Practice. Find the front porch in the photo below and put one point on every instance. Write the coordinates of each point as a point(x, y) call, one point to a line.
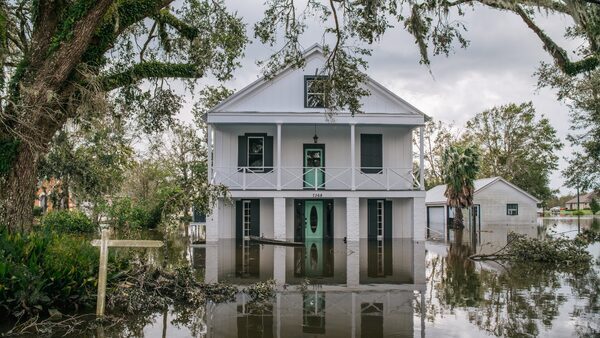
point(336, 217)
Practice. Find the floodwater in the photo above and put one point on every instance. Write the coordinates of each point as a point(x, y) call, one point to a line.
point(394, 288)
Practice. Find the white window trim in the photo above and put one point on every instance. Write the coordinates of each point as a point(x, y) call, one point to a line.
point(380, 212)
point(309, 93)
point(516, 210)
point(246, 218)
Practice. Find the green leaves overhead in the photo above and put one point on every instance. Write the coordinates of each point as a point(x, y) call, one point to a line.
point(517, 145)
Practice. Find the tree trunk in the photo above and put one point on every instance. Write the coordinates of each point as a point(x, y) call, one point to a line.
point(458, 218)
point(19, 191)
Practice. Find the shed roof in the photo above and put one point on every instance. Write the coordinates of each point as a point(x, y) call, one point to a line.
point(435, 195)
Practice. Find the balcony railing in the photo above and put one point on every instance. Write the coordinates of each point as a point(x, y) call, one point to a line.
point(311, 178)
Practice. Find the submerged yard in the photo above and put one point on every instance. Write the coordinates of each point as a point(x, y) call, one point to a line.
point(338, 289)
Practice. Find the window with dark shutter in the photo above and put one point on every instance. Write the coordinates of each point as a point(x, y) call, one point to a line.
point(371, 153)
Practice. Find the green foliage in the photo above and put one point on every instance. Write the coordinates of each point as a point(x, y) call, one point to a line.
point(437, 137)
point(580, 93)
point(460, 168)
point(37, 211)
point(44, 270)
point(125, 214)
point(594, 206)
point(261, 291)
point(8, 153)
point(68, 221)
point(71, 16)
point(517, 145)
point(561, 252)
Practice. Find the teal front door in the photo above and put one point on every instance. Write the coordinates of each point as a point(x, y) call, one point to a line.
point(313, 220)
point(314, 163)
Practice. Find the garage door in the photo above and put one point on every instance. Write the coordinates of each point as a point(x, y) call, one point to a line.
point(435, 222)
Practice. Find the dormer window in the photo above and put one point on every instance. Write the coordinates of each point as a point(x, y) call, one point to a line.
point(314, 91)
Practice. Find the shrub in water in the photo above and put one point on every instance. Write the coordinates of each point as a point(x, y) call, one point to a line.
point(68, 221)
point(44, 270)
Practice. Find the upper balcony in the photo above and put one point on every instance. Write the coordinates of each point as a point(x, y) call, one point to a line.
point(334, 157)
point(316, 178)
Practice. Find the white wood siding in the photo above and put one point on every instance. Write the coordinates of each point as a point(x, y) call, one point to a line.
point(285, 93)
point(493, 200)
point(397, 156)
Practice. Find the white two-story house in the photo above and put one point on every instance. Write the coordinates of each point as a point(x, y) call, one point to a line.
point(294, 173)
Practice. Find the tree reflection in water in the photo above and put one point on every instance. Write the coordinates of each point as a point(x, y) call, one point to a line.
point(511, 300)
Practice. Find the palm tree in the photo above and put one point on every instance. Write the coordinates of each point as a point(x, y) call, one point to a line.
point(460, 165)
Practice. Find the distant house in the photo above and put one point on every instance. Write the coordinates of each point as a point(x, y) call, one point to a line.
point(584, 201)
point(496, 200)
point(48, 196)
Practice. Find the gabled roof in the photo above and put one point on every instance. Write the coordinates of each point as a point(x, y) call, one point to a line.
point(586, 198)
point(435, 195)
point(394, 105)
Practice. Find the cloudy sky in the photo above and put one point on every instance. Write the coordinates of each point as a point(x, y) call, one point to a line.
point(497, 68)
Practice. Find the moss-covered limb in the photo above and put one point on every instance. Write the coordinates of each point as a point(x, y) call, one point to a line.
point(148, 70)
point(559, 55)
point(73, 14)
point(166, 17)
point(120, 16)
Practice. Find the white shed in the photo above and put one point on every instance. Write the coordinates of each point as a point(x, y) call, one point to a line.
point(496, 200)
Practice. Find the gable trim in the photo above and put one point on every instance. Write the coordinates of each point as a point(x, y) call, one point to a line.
point(370, 83)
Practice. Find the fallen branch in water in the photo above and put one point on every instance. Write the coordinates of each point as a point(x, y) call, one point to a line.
point(148, 288)
point(562, 252)
point(63, 325)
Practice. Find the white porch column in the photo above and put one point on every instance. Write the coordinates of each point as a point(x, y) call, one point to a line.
point(419, 219)
point(421, 159)
point(353, 263)
point(209, 150)
point(353, 155)
point(352, 219)
point(212, 223)
point(278, 156)
point(211, 270)
point(279, 218)
point(279, 264)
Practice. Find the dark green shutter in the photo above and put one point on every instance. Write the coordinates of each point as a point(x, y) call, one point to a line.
point(238, 219)
point(387, 220)
point(371, 258)
point(371, 153)
point(242, 152)
point(388, 263)
point(372, 219)
point(329, 207)
point(268, 154)
point(255, 217)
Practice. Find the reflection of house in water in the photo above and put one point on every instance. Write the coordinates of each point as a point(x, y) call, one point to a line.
point(361, 289)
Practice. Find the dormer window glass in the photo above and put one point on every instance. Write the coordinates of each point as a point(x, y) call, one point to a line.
point(314, 92)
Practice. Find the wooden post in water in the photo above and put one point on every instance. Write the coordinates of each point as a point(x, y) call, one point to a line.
point(102, 273)
point(104, 243)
